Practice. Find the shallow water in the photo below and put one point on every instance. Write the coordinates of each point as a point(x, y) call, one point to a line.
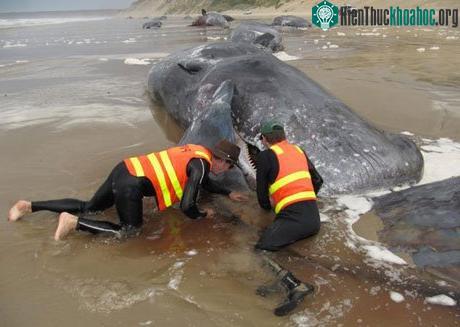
point(71, 109)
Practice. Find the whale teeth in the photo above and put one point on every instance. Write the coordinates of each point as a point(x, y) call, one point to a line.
point(252, 152)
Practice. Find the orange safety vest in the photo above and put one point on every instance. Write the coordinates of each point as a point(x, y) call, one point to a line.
point(167, 170)
point(293, 183)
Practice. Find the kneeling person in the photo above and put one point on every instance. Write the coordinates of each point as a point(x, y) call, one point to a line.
point(171, 176)
point(287, 177)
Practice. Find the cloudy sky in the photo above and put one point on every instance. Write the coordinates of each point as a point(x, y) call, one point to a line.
point(50, 5)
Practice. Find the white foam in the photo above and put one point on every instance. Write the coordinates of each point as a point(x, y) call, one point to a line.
point(135, 61)
point(382, 254)
point(341, 34)
point(283, 56)
point(421, 49)
point(441, 299)
point(396, 297)
point(324, 218)
point(370, 34)
point(103, 59)
point(452, 38)
point(407, 133)
point(175, 282)
point(130, 40)
point(356, 205)
point(434, 48)
point(191, 252)
point(6, 23)
point(214, 38)
point(442, 158)
point(14, 45)
point(333, 46)
point(177, 275)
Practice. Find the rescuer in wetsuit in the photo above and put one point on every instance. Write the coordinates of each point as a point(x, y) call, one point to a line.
point(171, 176)
point(287, 181)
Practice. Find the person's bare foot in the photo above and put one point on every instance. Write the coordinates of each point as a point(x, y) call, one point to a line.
point(19, 209)
point(66, 224)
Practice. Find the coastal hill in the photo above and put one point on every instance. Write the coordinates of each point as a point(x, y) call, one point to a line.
point(142, 8)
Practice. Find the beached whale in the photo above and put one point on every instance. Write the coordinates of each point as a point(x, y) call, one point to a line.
point(425, 222)
point(154, 23)
point(212, 19)
point(350, 154)
point(258, 33)
point(292, 21)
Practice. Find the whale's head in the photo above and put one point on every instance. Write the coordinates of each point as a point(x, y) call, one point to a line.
point(216, 123)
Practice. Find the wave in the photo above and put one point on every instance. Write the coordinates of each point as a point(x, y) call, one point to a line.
point(25, 22)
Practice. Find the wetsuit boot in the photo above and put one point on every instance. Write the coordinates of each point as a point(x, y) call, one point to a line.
point(269, 289)
point(296, 292)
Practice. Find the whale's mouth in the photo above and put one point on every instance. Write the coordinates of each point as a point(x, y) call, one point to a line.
point(247, 160)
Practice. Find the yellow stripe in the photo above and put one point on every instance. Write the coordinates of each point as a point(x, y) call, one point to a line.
point(161, 179)
point(288, 179)
point(137, 167)
point(298, 149)
point(171, 174)
point(202, 154)
point(297, 196)
point(277, 149)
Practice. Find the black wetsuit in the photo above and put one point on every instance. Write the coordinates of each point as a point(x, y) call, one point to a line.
point(294, 222)
point(126, 192)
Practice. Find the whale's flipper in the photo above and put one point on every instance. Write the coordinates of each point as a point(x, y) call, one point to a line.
point(215, 122)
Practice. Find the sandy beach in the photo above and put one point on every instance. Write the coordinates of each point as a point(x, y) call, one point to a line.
point(74, 103)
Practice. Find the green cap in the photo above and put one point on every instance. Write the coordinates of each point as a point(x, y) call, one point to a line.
point(270, 127)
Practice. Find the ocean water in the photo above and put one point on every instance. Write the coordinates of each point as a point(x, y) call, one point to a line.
point(21, 19)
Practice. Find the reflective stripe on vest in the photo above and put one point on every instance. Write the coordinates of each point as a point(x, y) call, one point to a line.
point(288, 179)
point(161, 178)
point(137, 167)
point(204, 155)
point(277, 149)
point(309, 195)
point(171, 174)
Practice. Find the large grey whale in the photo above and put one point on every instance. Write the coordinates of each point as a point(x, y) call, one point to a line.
point(350, 153)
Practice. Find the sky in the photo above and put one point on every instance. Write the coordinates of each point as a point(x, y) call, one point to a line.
point(52, 5)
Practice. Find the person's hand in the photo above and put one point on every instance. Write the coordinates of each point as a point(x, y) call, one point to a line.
point(210, 213)
point(237, 196)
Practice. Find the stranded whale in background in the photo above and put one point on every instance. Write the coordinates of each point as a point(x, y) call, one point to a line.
point(292, 21)
point(350, 154)
point(154, 23)
point(212, 19)
point(258, 33)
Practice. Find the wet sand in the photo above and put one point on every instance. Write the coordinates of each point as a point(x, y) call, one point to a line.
point(68, 117)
